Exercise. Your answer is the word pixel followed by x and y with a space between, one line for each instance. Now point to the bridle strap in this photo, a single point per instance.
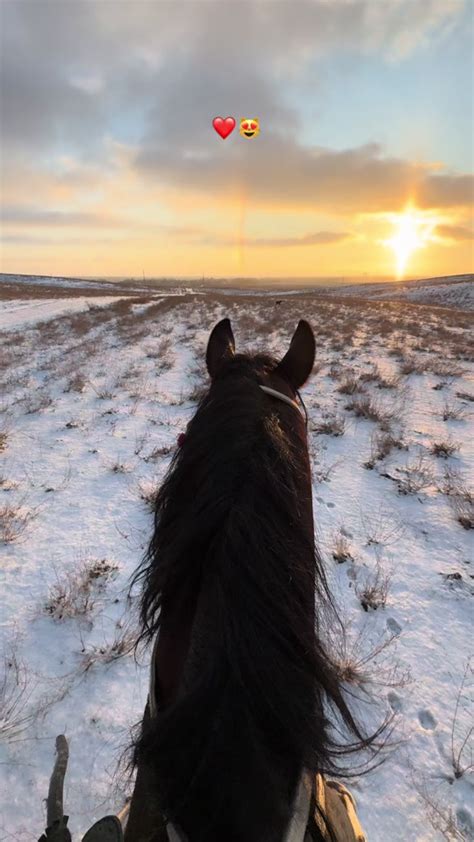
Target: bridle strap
pixel 275 394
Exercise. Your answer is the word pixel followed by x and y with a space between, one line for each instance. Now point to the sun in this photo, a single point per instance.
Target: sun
pixel 412 232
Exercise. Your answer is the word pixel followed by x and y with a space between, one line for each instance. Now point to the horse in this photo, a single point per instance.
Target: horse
pixel 233 592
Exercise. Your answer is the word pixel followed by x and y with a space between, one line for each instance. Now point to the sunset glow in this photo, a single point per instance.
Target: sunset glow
pixel 412 232
pixel 111 164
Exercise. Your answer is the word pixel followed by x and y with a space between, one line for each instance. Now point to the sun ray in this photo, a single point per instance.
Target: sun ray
pixel 413 231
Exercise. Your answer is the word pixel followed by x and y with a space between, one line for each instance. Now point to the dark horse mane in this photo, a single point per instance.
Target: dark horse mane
pixel 234 540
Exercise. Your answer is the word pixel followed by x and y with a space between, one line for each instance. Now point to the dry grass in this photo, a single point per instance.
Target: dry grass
pixel 35 403
pixel 418 475
pixel 147 492
pixel 450 412
pixel 381 445
pixel 465 396
pixel 374 592
pixel 14 519
pixel 341 550
pixel 330 425
pixel 461 764
pixel 444 449
pixel 103 392
pixel 440 816
pixel 14 695
pixel 463 509
pixel 382 527
pixel 366 406
pixel 74 594
pixel 350 385
pixel 119 467
pixel 460 496
pixel 324 471
pixel 123 644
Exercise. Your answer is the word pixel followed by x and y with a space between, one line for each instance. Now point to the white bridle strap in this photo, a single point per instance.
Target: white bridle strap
pixel 282 397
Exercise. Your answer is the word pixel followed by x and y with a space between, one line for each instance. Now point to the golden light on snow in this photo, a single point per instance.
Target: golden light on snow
pixel 413 230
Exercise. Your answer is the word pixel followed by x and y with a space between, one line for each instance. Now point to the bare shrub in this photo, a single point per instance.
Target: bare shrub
pixel 389 382
pixel 119 467
pixel 14 519
pixel 465 396
pixel 103 392
pixel 341 550
pixel 413 365
pixel 374 375
pixel 157 452
pixel 147 492
pixel 459 763
pixel 74 595
pixel 141 440
pixel 20 705
pixel 323 471
pixel 123 644
pixel 440 816
pixel 3 440
pixel 450 412
pixel 350 385
pixel 463 509
pixel 453 481
pixel 76 383
pixel 335 371
pixel 374 592
pixel 361 663
pixel 396 351
pixel 381 445
pixel 443 449
pixel 35 403
pixel 331 425
pixel 417 475
pixel 446 369
pixel 163 355
pixel 370 409
pixel 382 526
pixel 14 694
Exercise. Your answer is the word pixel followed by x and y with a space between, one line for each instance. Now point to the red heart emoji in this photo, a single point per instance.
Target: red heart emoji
pixel 224 127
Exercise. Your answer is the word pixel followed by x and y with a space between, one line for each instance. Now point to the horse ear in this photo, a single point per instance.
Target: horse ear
pixel 221 346
pixel 297 364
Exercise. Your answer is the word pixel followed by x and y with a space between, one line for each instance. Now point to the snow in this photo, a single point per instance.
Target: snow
pixel 15 314
pixel 454 291
pixel 91 414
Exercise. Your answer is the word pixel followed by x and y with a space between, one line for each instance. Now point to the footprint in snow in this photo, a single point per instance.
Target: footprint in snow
pixel 427 720
pixel 393 626
pixel 465 820
pixel 331 505
pixel 395 702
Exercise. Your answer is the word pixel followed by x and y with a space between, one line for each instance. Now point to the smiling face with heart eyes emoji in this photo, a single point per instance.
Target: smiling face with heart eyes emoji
pixel 249 128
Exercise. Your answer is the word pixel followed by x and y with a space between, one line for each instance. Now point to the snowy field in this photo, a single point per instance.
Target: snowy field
pixel 92 403
pixel 454 291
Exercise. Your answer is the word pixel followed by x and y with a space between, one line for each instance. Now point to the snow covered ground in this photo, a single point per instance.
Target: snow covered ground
pixel 17 313
pixel 92 404
pixel 454 291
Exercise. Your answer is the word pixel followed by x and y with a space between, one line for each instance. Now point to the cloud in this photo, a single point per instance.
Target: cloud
pixel 316 239
pixel 74 73
pixel 29 215
pixel 278 170
pixel 455 232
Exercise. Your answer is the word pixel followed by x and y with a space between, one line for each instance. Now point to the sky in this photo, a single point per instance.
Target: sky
pixel 110 164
